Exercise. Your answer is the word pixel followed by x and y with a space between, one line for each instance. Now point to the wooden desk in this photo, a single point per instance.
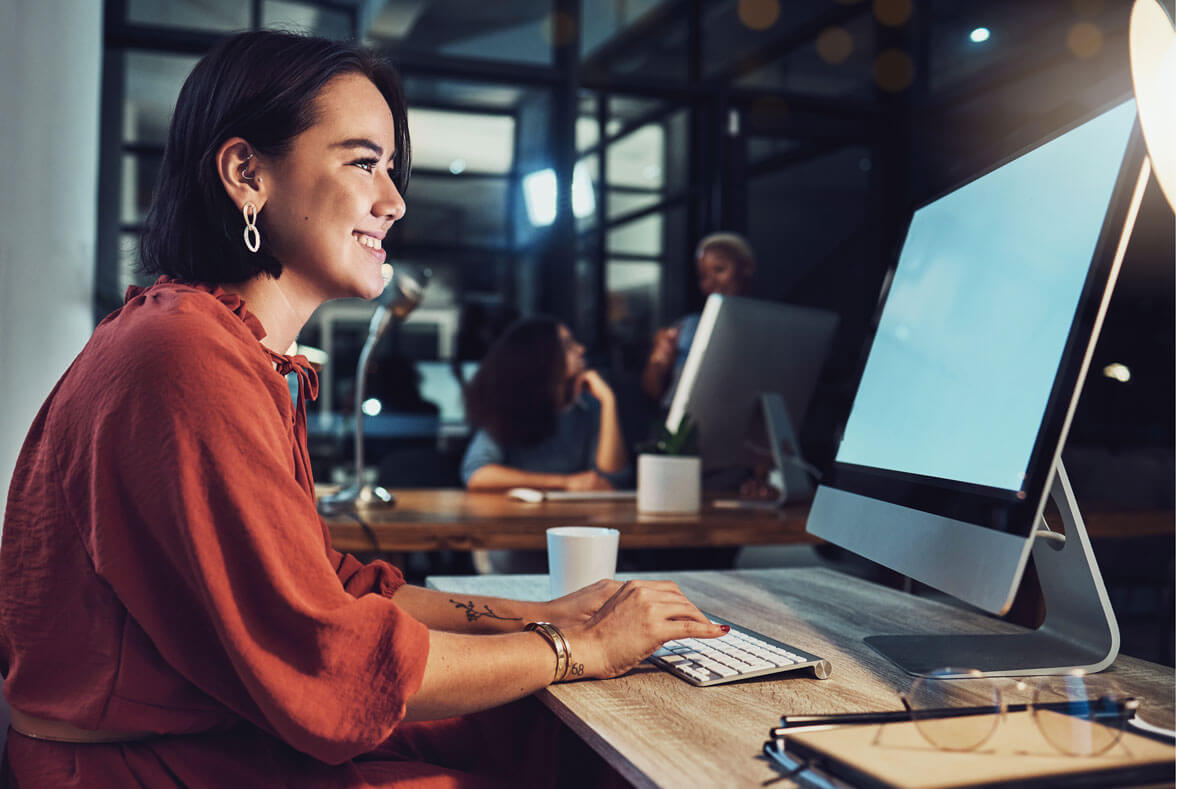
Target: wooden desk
pixel 656 730
pixel 441 519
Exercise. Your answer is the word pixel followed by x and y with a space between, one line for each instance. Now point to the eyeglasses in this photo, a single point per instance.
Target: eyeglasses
pixel 1076 716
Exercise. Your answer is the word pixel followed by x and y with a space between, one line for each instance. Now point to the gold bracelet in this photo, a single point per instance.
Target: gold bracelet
pixel 558 643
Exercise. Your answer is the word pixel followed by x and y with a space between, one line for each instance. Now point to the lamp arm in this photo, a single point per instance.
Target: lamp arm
pixel 378 324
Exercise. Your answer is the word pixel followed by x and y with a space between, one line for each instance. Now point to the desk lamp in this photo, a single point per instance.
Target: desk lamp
pixel 401 297
pixel 1152 63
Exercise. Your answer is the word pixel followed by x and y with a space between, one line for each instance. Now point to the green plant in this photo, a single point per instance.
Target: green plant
pixel 683 441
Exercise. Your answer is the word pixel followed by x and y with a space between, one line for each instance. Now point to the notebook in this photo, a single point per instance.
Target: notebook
pixel 896 755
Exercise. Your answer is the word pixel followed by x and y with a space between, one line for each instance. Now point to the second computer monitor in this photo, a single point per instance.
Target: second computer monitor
pixel 743 349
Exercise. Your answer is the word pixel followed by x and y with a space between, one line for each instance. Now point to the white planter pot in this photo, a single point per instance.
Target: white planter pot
pixel 669 484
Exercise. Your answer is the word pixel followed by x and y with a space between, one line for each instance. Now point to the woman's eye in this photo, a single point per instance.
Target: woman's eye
pixel 366 164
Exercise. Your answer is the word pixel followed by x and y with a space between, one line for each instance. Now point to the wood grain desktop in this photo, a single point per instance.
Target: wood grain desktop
pixel 656 730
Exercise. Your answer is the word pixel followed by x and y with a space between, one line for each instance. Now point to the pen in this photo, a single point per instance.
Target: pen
pixel 789 723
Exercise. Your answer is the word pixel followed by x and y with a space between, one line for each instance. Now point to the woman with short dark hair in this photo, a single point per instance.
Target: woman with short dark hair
pixel 171 610
pixel 545 420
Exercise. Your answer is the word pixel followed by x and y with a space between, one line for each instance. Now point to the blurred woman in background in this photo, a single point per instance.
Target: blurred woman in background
pixel 727 266
pixel 544 419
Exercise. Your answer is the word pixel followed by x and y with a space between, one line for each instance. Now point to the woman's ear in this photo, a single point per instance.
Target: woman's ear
pixel 240 171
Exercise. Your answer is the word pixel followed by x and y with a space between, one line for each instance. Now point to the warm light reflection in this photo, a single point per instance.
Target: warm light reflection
pixel 1085 40
pixel 834 45
pixel 979 35
pixel 892 13
pixel 1117 371
pixel 759 14
pixel 894 70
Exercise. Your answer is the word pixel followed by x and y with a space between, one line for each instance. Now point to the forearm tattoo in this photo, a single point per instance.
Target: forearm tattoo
pixel 473 614
pixel 576 670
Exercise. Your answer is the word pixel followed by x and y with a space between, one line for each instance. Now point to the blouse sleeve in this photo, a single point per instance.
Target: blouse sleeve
pixel 482 451
pixel 199 525
pixel 376 577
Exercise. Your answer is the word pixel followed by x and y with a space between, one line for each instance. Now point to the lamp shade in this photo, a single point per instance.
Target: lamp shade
pixel 1152 63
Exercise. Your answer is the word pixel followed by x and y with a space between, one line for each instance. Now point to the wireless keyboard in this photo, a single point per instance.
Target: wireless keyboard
pixel 741 654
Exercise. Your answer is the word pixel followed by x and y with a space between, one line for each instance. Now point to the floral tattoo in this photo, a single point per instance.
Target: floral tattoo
pixel 473 614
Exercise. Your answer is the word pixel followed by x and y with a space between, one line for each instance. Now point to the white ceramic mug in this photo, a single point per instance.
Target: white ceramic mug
pixel 580 555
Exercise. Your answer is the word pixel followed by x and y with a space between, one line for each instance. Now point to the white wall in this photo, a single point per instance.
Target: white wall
pixel 50 59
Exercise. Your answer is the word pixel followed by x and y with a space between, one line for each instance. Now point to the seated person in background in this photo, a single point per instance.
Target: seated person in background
pixel 544 420
pixel 726 265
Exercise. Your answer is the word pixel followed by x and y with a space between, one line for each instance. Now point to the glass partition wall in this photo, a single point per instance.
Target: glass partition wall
pixel 569 154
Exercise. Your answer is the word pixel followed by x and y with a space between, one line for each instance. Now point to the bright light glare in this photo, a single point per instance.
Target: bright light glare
pixel 1117 371
pixel 387 274
pixel 371 407
pixel 542 190
pixel 583 196
pixel 457 166
pixel 979 35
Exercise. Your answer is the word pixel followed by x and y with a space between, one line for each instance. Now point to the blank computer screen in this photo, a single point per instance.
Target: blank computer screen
pixel 979 312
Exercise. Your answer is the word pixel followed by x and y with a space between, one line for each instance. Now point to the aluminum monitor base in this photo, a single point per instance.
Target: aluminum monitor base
pixel 798 478
pixel 1079 632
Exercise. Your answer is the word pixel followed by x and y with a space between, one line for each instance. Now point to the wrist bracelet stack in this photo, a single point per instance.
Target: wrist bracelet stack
pixel 558 643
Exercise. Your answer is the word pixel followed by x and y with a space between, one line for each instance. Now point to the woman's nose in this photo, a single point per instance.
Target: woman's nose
pixel 390 203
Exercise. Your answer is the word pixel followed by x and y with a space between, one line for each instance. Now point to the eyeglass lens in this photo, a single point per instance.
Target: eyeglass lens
pixel 959 710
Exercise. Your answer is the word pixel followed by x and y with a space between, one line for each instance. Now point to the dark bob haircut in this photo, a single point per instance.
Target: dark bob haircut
pixel 515 393
pixel 260 86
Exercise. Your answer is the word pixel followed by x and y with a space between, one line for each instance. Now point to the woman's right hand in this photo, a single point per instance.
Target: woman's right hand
pixel 665 347
pixel 631 625
pixel 587 480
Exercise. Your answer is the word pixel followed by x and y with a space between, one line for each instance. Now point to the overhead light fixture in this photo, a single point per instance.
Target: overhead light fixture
pixel 1117 371
pixel 1152 63
pixel 979 35
pixel 541 190
pixel 583 195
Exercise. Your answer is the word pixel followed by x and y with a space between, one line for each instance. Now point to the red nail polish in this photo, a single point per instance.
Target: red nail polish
pixel 725 628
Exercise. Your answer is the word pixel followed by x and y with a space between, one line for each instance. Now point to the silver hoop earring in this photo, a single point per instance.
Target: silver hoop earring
pixel 250 233
pixel 246 163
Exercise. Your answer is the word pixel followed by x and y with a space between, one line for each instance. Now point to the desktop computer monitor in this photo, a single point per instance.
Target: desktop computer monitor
pixel 749 376
pixel 952 445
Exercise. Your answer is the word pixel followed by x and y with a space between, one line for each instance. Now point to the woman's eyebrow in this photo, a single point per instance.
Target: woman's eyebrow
pixel 361 142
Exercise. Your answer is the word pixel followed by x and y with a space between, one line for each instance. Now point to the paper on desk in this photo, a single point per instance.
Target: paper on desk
pixel 897 755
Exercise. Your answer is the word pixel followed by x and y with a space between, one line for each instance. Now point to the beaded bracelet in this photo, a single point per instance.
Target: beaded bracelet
pixel 558 643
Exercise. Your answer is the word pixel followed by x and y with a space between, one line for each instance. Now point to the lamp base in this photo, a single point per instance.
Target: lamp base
pixel 352 499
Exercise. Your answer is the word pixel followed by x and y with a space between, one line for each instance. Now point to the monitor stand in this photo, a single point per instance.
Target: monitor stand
pixel 1079 631
pixel 798 477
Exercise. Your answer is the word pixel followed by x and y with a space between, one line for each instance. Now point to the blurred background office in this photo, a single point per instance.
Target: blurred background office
pixel 568 155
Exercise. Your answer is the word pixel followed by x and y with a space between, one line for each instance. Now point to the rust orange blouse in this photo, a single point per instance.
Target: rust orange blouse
pixel 163 567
